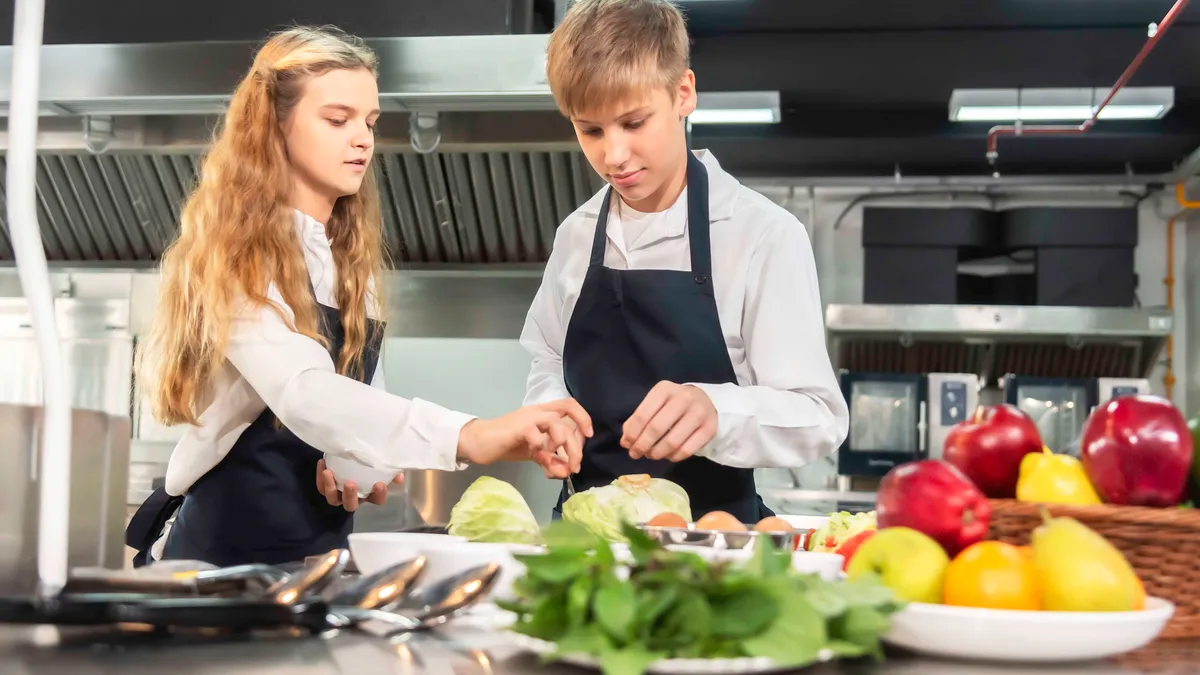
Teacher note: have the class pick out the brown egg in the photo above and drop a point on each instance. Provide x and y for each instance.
(773, 524)
(719, 520)
(667, 519)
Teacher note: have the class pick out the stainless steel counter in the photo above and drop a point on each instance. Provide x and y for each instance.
(460, 650)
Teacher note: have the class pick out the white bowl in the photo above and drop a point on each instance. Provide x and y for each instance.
(374, 551)
(453, 558)
(364, 477)
(446, 555)
(805, 522)
(1014, 636)
(827, 566)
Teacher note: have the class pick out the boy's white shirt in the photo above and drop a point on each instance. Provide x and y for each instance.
(787, 408)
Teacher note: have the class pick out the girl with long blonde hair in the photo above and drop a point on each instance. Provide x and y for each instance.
(267, 335)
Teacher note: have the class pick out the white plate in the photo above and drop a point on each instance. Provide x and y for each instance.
(744, 666)
(1014, 636)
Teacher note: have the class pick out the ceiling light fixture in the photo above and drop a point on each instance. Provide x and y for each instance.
(736, 107)
(1059, 105)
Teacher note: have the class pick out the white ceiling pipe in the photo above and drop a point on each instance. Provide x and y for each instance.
(54, 468)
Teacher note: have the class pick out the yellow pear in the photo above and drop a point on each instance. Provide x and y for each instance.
(1081, 571)
(1054, 479)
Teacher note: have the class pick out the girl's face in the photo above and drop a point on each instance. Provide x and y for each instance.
(330, 138)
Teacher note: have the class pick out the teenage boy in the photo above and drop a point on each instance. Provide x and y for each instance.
(682, 311)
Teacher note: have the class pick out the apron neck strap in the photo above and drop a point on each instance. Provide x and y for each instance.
(697, 218)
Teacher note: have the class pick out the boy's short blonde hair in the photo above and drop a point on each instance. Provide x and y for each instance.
(607, 51)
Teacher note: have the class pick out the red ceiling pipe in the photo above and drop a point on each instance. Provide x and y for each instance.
(1019, 129)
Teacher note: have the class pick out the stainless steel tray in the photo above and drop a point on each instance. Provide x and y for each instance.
(796, 540)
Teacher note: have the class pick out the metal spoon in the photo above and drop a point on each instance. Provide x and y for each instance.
(426, 607)
(384, 589)
(439, 602)
(310, 581)
(264, 575)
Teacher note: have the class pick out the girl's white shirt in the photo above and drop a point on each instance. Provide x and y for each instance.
(270, 366)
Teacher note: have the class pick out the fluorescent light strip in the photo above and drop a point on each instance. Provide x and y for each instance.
(734, 116)
(1064, 113)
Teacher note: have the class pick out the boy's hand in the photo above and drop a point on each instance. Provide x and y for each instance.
(673, 422)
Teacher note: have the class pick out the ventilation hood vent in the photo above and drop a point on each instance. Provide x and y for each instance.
(994, 341)
(442, 208)
(477, 72)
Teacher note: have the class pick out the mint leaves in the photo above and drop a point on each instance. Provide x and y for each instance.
(670, 604)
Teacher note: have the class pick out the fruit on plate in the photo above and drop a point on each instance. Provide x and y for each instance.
(1081, 571)
(1137, 451)
(667, 519)
(993, 575)
(910, 563)
(933, 497)
(720, 520)
(851, 546)
(1054, 479)
(988, 447)
(1139, 598)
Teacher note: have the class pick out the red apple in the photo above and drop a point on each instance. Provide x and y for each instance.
(989, 446)
(1137, 451)
(935, 498)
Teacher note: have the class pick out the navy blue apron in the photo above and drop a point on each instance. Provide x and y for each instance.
(632, 329)
(260, 504)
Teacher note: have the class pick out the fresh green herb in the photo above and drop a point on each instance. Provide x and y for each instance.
(672, 604)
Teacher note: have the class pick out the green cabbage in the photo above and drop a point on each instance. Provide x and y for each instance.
(493, 511)
(631, 499)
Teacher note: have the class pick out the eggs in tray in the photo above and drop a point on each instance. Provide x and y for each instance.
(719, 529)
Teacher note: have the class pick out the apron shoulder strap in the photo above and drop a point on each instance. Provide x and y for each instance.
(598, 237)
(698, 235)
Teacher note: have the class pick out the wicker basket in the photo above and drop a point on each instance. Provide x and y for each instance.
(1163, 545)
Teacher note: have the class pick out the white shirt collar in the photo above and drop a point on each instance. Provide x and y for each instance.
(309, 229)
(318, 257)
(722, 191)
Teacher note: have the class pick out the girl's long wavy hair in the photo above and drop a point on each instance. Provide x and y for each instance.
(237, 234)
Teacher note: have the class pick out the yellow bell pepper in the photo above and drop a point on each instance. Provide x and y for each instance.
(1054, 479)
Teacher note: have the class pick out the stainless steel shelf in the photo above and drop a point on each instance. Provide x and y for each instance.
(1014, 322)
(993, 341)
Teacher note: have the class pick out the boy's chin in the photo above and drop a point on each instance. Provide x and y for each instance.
(634, 193)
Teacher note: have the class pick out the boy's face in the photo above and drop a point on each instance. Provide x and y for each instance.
(639, 146)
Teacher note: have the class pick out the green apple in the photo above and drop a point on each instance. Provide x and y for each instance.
(909, 562)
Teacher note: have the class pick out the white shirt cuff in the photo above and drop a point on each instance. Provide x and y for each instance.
(441, 427)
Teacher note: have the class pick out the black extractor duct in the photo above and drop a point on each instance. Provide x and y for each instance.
(154, 21)
(1044, 256)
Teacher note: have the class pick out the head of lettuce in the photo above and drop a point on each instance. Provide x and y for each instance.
(493, 511)
(629, 499)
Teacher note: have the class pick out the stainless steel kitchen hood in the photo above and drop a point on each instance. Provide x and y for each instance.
(462, 206)
(993, 341)
(125, 126)
(457, 73)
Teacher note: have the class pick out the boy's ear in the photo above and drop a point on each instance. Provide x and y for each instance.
(685, 93)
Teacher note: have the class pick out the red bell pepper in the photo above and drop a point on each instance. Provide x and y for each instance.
(848, 547)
